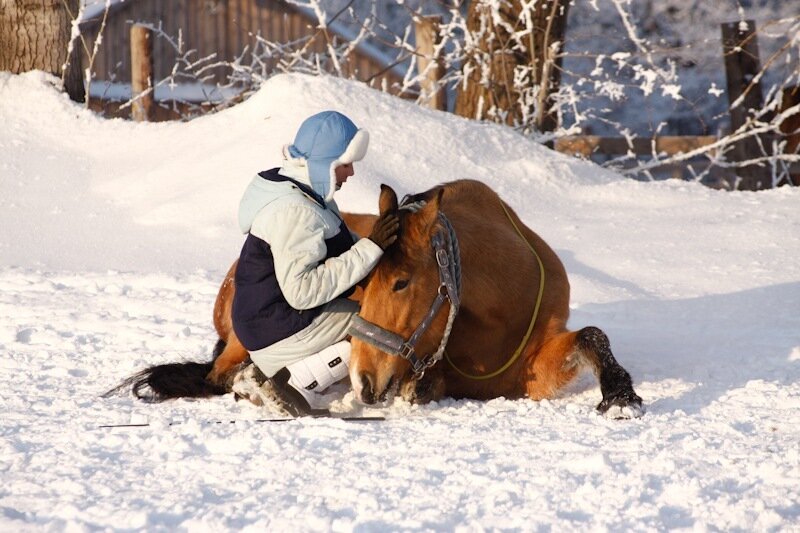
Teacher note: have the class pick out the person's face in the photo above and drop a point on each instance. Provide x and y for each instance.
(342, 173)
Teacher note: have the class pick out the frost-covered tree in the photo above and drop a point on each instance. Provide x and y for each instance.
(512, 63)
(36, 35)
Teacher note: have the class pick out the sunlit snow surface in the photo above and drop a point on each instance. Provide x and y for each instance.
(115, 236)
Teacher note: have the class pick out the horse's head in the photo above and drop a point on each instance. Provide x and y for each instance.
(398, 296)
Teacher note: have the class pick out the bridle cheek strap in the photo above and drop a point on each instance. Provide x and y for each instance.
(447, 258)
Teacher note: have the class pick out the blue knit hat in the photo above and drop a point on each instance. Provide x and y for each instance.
(325, 141)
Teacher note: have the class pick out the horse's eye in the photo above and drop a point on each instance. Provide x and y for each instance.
(400, 284)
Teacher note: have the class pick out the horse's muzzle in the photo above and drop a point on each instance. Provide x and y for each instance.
(369, 393)
(367, 389)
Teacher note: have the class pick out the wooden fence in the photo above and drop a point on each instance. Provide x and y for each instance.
(742, 66)
(277, 22)
(221, 27)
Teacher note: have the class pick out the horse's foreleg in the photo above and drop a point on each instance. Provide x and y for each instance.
(619, 398)
(429, 388)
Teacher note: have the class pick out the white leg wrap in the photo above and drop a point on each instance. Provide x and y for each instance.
(319, 371)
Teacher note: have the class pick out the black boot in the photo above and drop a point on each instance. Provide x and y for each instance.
(292, 400)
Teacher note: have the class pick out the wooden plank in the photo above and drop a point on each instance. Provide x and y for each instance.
(262, 20)
(586, 145)
(188, 20)
(245, 22)
(220, 27)
(296, 26)
(201, 28)
(207, 42)
(233, 28)
(161, 13)
(286, 27)
(217, 13)
(265, 23)
(120, 58)
(742, 65)
(252, 21)
(163, 56)
(275, 25)
(106, 53)
(187, 25)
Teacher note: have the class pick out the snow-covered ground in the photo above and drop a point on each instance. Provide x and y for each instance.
(114, 237)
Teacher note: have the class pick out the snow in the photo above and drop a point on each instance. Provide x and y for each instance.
(114, 237)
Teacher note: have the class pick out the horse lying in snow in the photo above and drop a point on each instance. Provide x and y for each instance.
(468, 303)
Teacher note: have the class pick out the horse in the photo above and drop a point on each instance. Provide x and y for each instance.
(507, 299)
(509, 290)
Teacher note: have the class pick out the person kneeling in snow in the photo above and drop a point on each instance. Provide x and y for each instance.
(299, 263)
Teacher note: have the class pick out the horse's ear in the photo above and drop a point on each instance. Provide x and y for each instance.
(430, 211)
(388, 200)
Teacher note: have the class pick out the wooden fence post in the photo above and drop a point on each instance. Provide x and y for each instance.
(790, 128)
(427, 36)
(142, 73)
(742, 65)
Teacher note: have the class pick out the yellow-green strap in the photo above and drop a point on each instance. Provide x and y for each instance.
(524, 342)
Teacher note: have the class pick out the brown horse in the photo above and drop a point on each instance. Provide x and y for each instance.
(500, 283)
(500, 286)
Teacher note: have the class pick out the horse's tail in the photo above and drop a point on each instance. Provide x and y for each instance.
(173, 380)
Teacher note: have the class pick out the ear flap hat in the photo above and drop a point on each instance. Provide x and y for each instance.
(325, 141)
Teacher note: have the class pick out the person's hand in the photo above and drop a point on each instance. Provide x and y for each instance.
(384, 232)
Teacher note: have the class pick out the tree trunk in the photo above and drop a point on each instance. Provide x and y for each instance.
(514, 65)
(35, 35)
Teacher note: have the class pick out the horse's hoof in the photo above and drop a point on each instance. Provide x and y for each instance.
(423, 391)
(622, 406)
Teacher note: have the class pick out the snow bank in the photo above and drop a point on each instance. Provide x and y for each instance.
(114, 237)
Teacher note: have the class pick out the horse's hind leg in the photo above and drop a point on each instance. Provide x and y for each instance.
(619, 398)
(550, 370)
(560, 358)
(227, 362)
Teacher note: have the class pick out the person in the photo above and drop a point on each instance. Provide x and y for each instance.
(300, 262)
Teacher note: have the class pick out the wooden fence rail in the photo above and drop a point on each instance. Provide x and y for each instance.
(587, 145)
(742, 68)
(666, 145)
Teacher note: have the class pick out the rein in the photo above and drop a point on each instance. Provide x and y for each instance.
(448, 259)
(528, 333)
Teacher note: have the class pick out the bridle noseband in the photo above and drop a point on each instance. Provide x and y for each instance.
(448, 259)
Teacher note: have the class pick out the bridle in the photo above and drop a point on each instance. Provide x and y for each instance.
(445, 247)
